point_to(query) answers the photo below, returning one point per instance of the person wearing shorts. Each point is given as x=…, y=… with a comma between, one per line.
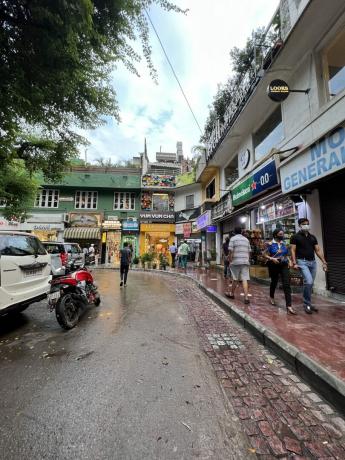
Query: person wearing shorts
x=239, y=258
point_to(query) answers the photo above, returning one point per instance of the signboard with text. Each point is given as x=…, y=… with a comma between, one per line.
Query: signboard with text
x=204, y=220
x=324, y=157
x=157, y=216
x=260, y=180
x=130, y=225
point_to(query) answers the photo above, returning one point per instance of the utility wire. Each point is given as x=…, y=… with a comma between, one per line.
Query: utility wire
x=173, y=71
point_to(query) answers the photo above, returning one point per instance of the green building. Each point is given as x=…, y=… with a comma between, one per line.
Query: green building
x=91, y=205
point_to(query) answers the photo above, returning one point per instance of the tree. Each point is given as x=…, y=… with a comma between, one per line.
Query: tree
x=55, y=68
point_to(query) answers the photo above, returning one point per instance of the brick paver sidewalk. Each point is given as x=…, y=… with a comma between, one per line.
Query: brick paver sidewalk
x=281, y=415
x=320, y=335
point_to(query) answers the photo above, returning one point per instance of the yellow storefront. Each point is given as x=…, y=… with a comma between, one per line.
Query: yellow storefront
x=156, y=238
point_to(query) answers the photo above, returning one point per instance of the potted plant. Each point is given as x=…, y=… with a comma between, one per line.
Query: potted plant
x=145, y=258
x=136, y=261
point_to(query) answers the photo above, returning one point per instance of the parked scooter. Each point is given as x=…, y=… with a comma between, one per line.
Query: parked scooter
x=70, y=295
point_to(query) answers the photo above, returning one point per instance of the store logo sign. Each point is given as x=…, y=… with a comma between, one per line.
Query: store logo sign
x=324, y=157
x=259, y=181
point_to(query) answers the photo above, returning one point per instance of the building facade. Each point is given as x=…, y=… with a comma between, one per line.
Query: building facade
x=289, y=153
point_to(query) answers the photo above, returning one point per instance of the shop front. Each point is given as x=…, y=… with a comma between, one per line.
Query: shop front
x=130, y=234
x=208, y=233
x=111, y=241
x=45, y=227
x=84, y=229
x=157, y=232
x=317, y=175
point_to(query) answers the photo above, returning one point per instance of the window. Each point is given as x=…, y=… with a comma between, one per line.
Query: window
x=160, y=202
x=124, y=200
x=335, y=65
x=189, y=201
x=47, y=198
x=269, y=135
x=86, y=200
x=211, y=189
x=20, y=245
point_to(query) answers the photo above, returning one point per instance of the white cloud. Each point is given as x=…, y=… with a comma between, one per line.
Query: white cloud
x=198, y=45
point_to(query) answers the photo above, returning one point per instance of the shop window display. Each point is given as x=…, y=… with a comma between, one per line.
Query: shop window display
x=157, y=180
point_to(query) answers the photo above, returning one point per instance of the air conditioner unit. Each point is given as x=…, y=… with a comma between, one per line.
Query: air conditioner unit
x=66, y=218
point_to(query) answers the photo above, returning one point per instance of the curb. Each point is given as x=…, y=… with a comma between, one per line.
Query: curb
x=327, y=384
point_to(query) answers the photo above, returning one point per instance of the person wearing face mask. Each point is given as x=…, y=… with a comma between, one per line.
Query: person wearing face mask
x=277, y=255
x=304, y=246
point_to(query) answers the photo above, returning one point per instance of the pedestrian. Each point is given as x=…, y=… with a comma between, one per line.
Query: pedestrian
x=130, y=247
x=183, y=255
x=92, y=250
x=277, y=255
x=85, y=251
x=304, y=246
x=226, y=257
x=125, y=261
x=173, y=251
x=239, y=254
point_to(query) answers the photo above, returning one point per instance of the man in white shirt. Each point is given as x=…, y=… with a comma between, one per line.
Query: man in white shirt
x=173, y=252
x=92, y=250
x=239, y=258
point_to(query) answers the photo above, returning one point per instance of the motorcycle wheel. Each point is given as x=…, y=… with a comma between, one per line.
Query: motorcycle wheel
x=67, y=312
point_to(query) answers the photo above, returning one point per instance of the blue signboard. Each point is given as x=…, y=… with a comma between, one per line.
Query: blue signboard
x=130, y=225
x=211, y=229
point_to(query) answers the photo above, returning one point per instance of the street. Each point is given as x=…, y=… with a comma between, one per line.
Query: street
x=132, y=380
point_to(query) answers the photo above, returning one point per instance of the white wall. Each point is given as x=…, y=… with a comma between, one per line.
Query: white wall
x=182, y=192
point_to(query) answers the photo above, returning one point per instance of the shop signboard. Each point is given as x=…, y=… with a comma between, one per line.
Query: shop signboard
x=130, y=225
x=170, y=228
x=260, y=180
x=204, y=220
x=187, y=229
x=211, y=229
x=195, y=228
x=79, y=219
x=187, y=214
x=324, y=157
x=111, y=225
x=67, y=199
x=179, y=229
x=157, y=216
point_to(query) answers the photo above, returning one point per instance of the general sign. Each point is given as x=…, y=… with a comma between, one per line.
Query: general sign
x=324, y=157
x=157, y=216
x=130, y=225
x=278, y=90
x=259, y=181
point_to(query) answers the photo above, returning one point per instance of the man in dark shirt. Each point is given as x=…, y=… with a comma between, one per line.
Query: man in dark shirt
x=304, y=246
x=125, y=260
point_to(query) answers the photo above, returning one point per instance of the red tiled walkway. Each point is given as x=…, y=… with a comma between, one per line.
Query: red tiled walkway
x=321, y=335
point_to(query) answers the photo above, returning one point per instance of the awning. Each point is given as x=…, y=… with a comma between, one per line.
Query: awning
x=82, y=233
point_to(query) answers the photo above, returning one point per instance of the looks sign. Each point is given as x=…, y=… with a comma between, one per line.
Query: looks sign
x=324, y=157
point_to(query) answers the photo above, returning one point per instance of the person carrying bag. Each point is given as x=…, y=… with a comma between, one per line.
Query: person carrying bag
x=277, y=255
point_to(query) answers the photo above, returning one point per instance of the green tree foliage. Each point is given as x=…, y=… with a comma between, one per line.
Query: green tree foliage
x=242, y=60
x=55, y=67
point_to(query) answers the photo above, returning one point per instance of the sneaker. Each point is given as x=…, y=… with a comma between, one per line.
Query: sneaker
x=246, y=301
x=121, y=284
x=125, y=285
x=307, y=309
x=314, y=308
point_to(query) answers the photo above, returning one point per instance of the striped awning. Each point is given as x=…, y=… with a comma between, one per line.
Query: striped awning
x=82, y=233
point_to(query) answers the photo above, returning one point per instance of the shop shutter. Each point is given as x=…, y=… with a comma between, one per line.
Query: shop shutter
x=332, y=200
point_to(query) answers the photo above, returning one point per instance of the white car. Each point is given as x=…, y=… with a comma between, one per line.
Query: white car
x=25, y=271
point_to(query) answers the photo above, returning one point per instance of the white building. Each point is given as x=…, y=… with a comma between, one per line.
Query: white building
x=300, y=140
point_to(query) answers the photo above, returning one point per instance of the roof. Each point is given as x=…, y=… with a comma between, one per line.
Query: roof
x=90, y=179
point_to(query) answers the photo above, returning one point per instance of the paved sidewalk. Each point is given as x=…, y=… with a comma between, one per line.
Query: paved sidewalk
x=320, y=335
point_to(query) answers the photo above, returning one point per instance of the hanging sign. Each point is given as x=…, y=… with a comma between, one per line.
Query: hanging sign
x=258, y=182
x=278, y=90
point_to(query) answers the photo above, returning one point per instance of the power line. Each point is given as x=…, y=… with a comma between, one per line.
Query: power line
x=173, y=71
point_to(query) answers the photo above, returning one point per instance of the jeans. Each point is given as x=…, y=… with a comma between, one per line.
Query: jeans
x=308, y=269
x=173, y=259
x=183, y=261
x=124, y=272
x=283, y=270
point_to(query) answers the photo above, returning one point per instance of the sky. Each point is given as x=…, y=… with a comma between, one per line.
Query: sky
x=198, y=46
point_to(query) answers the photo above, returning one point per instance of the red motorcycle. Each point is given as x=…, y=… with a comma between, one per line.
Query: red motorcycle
x=70, y=296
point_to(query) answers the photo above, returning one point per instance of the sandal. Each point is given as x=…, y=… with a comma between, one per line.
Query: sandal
x=290, y=311
x=230, y=296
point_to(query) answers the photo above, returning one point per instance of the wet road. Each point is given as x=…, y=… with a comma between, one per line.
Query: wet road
x=130, y=381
